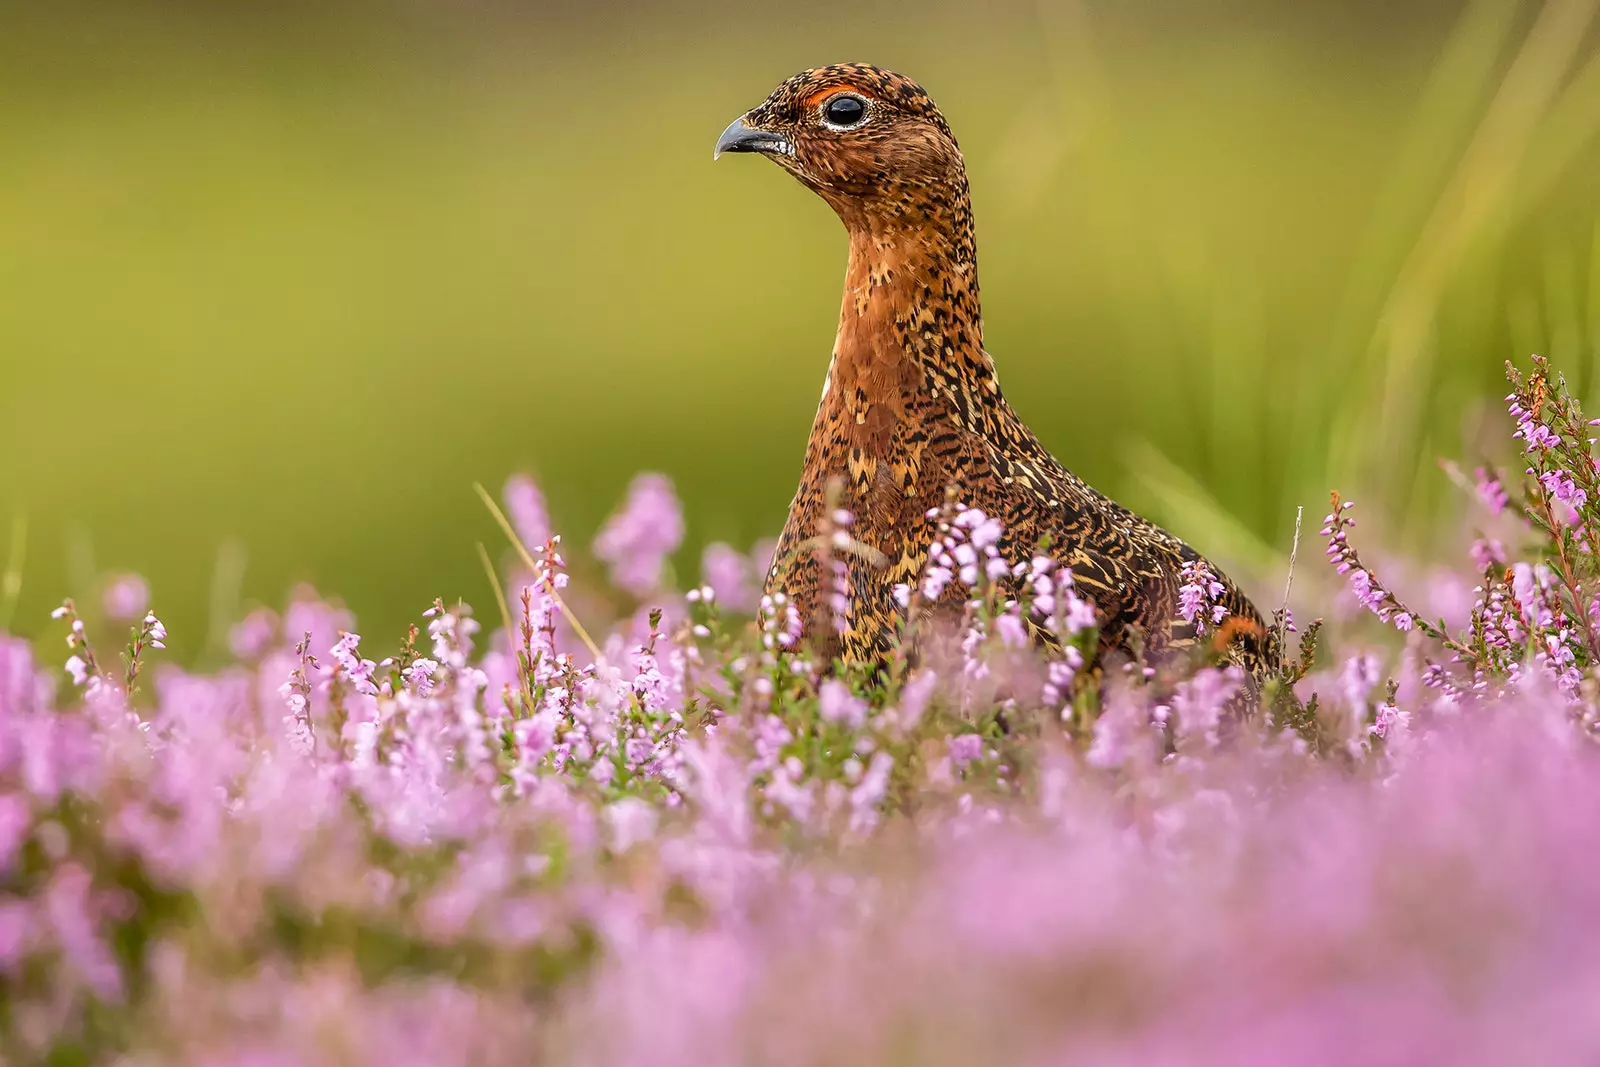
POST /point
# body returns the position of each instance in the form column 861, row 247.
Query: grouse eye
column 845, row 110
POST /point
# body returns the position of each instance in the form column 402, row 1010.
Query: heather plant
column 1538, row 609
column 681, row 837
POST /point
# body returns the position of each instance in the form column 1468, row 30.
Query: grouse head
column 868, row 141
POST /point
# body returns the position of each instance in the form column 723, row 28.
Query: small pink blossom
column 964, row 748
column 637, row 539
column 525, row 508
column 125, row 598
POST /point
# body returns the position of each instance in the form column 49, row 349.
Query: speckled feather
column 912, row 404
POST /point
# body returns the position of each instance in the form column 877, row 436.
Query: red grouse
column 911, row 405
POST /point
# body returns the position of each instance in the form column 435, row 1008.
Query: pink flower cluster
column 497, row 853
column 1374, row 597
column 683, row 839
column 1198, row 597
column 637, row 540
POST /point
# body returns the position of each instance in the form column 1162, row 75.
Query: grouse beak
column 741, row 138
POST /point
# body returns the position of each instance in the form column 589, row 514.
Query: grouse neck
column 911, row 297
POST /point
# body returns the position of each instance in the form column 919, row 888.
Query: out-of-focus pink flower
column 964, row 748
column 730, row 574
column 869, row 793
column 838, row 705
column 526, row 508
column 1490, row 491
column 761, row 555
column 1200, row 702
column 72, row 913
column 630, row 821
column 1121, row 733
column 17, row 924
column 1487, row 552
column 637, row 539
column 125, row 598
column 15, row 816
column 253, row 635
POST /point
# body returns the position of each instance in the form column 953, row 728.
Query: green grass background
column 277, row 286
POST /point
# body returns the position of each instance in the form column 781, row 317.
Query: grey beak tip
column 741, row 138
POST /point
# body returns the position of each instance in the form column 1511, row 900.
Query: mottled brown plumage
column 911, row 405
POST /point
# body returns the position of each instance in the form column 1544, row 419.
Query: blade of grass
column 494, row 584
column 1184, row 506
column 1477, row 189
column 527, row 557
column 1288, row 582
column 1450, row 105
column 1569, row 126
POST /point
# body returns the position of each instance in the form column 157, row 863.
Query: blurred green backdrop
column 291, row 280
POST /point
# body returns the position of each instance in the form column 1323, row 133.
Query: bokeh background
column 279, row 282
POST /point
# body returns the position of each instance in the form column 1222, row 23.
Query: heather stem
column 1568, row 578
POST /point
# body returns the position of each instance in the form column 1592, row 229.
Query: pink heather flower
column 914, row 698
column 964, row 748
column 451, row 632
column 1535, row 433
column 77, row 669
column 17, row 927
column 781, row 625
column 359, row 671
column 1059, row 676
column 536, row 735
column 1198, row 595
column 155, row 631
column 1357, row 678
column 1487, row 552
column 253, row 635
column 787, row 791
column 1121, row 733
column 630, row 821
column 526, row 509
column 1560, row 485
column 869, row 793
column 70, row 910
column 1389, row 721
column 419, row 676
column 839, row 595
column 1490, row 491
column 837, row 704
column 936, row 576
column 1012, row 632
column 308, row 613
column 1371, row 596
column 15, row 817
column 639, row 537
column 983, row 532
column 729, row 574
column 125, row 598
column 1200, row 701
column 1539, row 436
